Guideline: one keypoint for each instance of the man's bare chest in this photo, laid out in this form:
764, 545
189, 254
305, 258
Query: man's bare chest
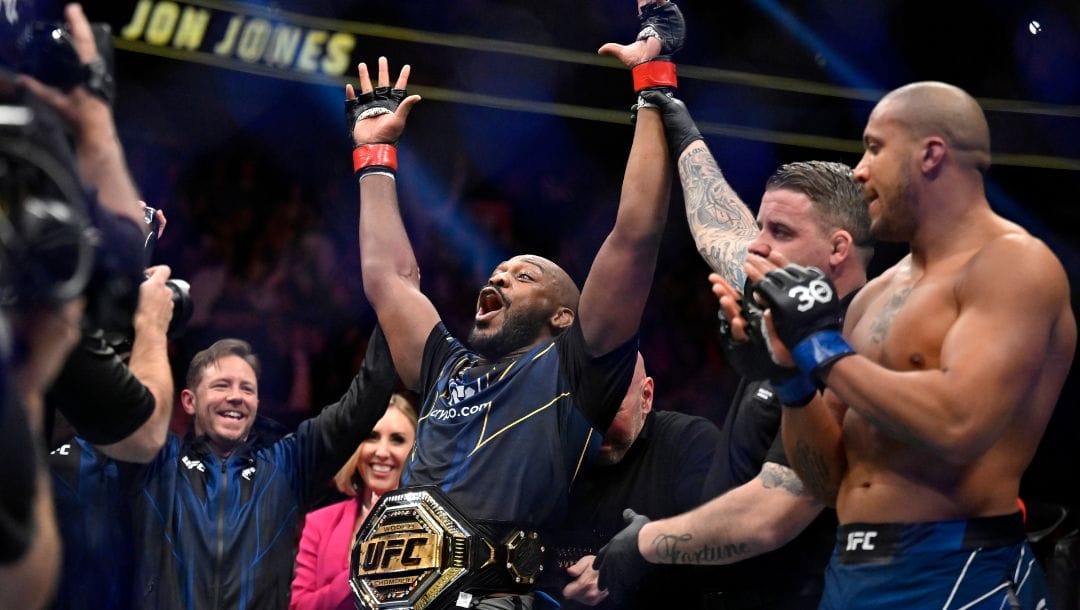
906, 323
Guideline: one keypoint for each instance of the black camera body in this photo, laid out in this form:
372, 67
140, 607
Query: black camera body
45, 50
47, 244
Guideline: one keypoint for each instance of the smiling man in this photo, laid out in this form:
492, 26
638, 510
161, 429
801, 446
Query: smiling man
215, 514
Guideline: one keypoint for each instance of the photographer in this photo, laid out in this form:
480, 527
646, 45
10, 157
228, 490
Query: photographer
43, 272
123, 410
120, 412
87, 109
52, 267
29, 546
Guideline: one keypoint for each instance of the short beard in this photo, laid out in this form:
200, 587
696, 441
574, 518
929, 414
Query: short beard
899, 227
518, 330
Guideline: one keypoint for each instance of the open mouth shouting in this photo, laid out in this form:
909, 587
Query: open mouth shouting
488, 305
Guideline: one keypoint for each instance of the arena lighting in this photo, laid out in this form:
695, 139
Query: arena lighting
832, 62
426, 197
206, 55
849, 76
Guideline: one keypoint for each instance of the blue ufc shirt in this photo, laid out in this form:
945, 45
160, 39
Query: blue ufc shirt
506, 440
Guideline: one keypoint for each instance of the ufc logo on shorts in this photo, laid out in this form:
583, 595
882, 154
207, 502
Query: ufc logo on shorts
817, 291
860, 541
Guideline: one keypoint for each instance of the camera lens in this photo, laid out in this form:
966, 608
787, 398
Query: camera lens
182, 306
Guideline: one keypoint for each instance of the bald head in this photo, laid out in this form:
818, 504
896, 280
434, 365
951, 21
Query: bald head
940, 109
563, 289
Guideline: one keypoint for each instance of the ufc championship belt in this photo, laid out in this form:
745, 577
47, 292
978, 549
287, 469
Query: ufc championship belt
416, 551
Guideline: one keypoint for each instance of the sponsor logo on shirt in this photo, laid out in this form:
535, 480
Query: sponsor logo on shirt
458, 391
457, 412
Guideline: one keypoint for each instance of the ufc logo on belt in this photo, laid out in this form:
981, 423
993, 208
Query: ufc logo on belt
397, 553
860, 541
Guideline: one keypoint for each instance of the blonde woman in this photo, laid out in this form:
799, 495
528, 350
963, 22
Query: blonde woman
321, 581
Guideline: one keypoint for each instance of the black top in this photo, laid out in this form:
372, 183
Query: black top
660, 476
751, 437
97, 393
506, 440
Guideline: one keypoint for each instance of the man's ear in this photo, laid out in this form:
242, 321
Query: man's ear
933, 154
647, 386
842, 247
187, 400
562, 318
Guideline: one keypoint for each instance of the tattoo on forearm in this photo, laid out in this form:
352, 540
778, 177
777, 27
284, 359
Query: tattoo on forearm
679, 549
720, 222
775, 475
888, 313
813, 471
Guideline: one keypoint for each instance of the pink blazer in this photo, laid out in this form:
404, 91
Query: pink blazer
321, 581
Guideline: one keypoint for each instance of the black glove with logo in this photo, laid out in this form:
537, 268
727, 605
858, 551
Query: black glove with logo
619, 562
806, 313
382, 100
679, 127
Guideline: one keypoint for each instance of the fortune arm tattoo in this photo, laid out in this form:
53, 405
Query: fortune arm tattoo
682, 549
720, 222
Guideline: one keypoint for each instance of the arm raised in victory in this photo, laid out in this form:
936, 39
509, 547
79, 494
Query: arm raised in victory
390, 272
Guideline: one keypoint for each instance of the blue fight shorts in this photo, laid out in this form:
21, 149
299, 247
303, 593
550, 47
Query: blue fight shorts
983, 563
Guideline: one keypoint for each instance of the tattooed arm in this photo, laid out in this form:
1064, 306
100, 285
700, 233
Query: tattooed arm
754, 518
721, 224
814, 445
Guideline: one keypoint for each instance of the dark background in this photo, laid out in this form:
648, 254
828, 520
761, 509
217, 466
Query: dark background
254, 171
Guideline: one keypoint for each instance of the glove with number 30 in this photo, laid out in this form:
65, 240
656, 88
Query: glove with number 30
806, 314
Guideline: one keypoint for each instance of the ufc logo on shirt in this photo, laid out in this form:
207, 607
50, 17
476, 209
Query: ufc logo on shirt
817, 291
860, 541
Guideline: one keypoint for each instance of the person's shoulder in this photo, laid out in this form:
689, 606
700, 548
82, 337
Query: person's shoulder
330, 512
683, 421
1018, 258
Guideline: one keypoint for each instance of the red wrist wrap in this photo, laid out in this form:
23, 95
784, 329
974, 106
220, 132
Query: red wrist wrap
654, 74
382, 156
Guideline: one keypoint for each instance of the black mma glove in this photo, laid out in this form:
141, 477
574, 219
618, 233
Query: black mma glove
752, 359
806, 313
619, 563
373, 157
382, 100
678, 126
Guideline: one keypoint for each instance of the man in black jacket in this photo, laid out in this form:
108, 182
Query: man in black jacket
654, 462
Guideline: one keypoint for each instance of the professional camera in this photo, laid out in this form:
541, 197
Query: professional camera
120, 339
58, 242
47, 247
44, 50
